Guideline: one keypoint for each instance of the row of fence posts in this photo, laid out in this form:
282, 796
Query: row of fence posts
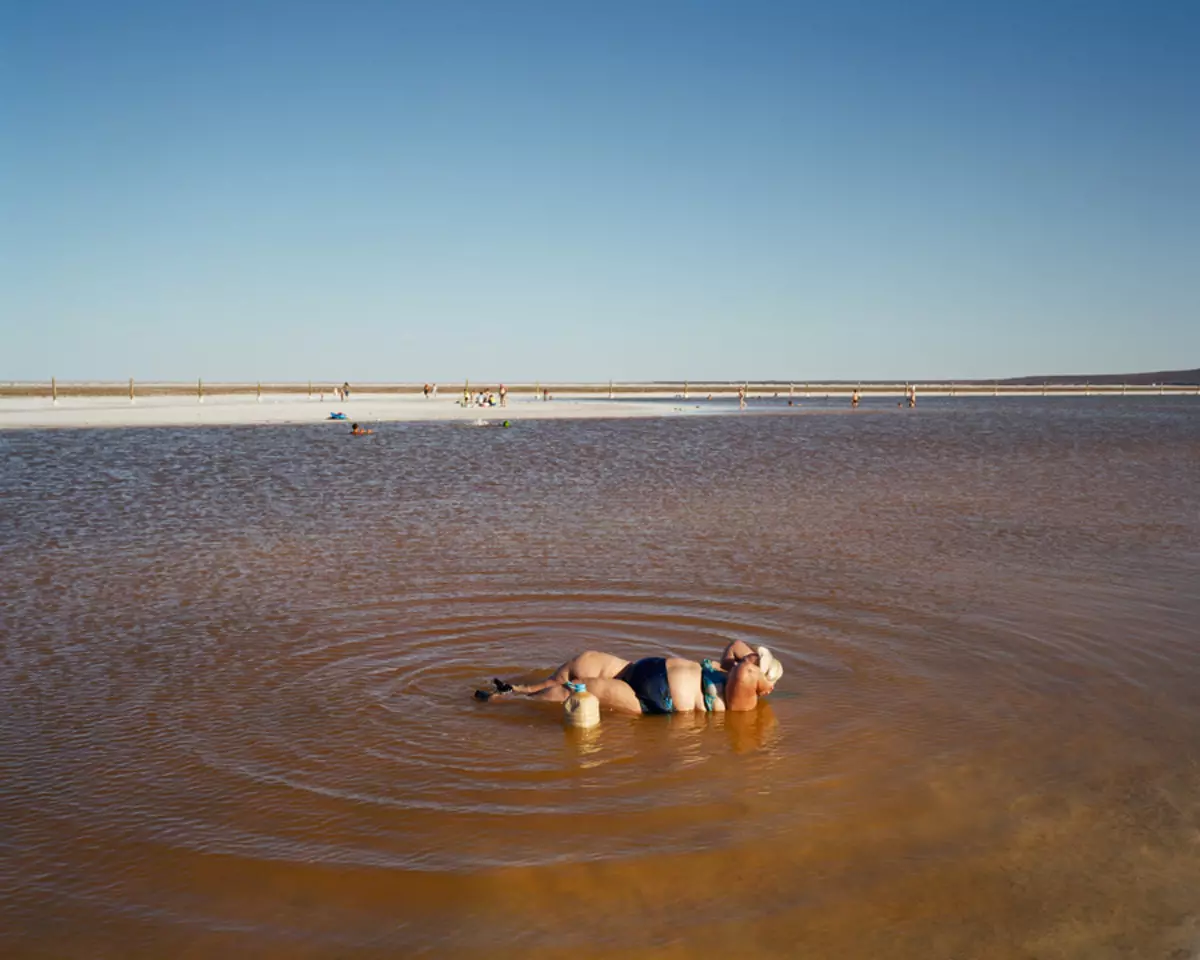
1087, 389
133, 394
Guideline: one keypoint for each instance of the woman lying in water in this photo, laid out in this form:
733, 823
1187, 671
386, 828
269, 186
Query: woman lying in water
658, 684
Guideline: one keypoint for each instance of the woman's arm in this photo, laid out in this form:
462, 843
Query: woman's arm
745, 684
736, 652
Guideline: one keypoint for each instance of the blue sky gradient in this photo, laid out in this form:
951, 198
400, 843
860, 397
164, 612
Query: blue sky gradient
642, 190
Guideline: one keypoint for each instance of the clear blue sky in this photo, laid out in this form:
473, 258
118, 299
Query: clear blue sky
637, 190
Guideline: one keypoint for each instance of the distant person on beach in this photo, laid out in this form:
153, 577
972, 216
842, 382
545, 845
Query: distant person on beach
658, 684
912, 395
345, 390
503, 395
854, 399
425, 390
359, 431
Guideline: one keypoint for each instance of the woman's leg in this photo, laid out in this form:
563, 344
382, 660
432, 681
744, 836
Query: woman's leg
589, 664
614, 695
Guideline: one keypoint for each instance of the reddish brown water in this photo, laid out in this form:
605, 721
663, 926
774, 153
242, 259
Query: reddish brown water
236, 672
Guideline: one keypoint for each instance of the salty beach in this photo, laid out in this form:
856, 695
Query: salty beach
246, 410
108, 405
238, 665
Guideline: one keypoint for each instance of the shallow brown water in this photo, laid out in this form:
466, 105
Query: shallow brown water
236, 668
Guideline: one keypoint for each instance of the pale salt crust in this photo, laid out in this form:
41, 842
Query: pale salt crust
366, 409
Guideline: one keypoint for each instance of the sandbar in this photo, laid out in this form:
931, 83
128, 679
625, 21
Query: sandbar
366, 408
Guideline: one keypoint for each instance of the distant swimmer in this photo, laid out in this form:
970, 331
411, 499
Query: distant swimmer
358, 431
854, 399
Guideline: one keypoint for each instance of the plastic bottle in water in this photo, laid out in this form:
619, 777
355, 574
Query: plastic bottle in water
581, 709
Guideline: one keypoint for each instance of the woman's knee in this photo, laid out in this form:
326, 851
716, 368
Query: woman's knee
574, 668
595, 663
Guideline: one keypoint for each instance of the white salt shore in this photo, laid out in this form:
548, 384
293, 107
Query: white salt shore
366, 409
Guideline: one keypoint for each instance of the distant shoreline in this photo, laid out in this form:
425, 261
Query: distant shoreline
1184, 382
170, 406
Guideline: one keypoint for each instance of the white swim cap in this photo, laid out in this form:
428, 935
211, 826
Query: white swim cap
772, 669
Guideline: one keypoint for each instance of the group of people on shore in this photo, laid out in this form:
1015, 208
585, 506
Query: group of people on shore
485, 398
734, 682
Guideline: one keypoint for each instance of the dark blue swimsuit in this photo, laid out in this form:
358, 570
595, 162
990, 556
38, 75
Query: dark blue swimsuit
648, 677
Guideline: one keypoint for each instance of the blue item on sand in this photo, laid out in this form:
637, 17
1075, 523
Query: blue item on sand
337, 416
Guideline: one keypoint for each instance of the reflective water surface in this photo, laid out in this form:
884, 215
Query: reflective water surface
236, 669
